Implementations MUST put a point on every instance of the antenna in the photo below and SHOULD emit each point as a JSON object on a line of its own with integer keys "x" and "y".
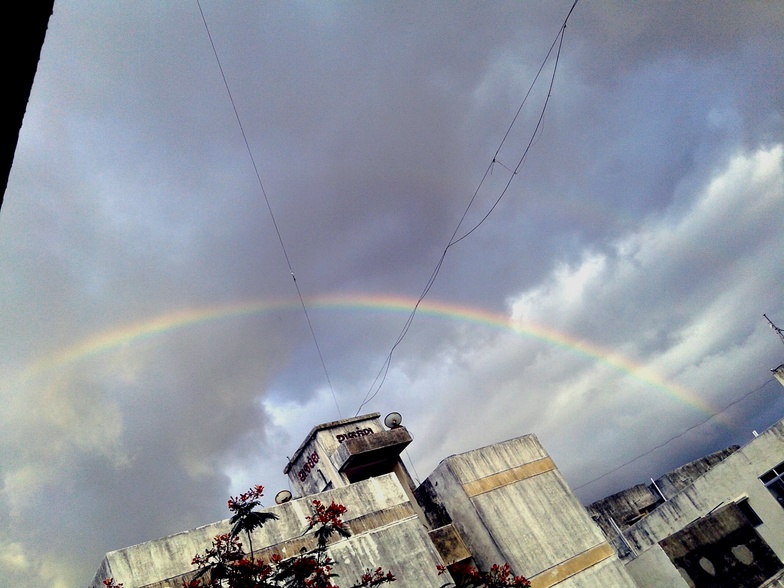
{"x": 775, "y": 328}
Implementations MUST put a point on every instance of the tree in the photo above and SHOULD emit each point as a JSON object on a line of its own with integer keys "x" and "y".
{"x": 226, "y": 564}
{"x": 497, "y": 577}
{"x": 245, "y": 519}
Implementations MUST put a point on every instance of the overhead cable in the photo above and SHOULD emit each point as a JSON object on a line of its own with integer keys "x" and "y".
{"x": 269, "y": 208}
{"x": 678, "y": 436}
{"x": 380, "y": 378}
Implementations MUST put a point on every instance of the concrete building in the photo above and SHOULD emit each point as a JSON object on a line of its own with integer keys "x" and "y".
{"x": 509, "y": 504}
{"x": 714, "y": 522}
{"x": 718, "y": 521}
{"x": 621, "y": 510}
{"x": 506, "y": 503}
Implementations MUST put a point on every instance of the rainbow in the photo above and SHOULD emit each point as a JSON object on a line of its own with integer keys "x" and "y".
{"x": 112, "y": 339}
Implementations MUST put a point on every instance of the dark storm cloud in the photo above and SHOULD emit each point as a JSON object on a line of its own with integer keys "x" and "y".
{"x": 645, "y": 220}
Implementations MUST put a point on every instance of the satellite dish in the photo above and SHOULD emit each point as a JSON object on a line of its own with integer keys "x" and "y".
{"x": 393, "y": 420}
{"x": 282, "y": 496}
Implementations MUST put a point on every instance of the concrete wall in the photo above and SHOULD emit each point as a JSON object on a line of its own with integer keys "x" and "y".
{"x": 311, "y": 470}
{"x": 628, "y": 506}
{"x": 385, "y": 530}
{"x": 776, "y": 581}
{"x": 403, "y": 548}
{"x": 680, "y": 478}
{"x": 608, "y": 572}
{"x": 622, "y": 507}
{"x": 653, "y": 569}
{"x": 735, "y": 477}
{"x": 721, "y": 549}
{"x": 511, "y": 505}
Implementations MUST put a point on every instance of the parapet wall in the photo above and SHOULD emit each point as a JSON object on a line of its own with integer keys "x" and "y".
{"x": 386, "y": 532}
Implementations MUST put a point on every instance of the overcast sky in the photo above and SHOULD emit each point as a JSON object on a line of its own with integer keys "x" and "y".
{"x": 154, "y": 356}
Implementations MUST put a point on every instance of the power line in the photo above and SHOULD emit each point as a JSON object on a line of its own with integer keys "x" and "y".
{"x": 413, "y": 467}
{"x": 269, "y": 207}
{"x": 678, "y": 436}
{"x": 530, "y": 142}
{"x": 380, "y": 378}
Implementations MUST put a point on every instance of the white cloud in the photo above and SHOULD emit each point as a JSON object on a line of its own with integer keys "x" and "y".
{"x": 711, "y": 324}
{"x": 631, "y": 229}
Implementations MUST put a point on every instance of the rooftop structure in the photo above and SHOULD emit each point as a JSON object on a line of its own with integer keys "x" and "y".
{"x": 505, "y": 503}
{"x": 717, "y": 521}
{"x": 722, "y": 526}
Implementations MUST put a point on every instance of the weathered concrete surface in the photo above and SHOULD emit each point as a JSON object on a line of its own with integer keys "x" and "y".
{"x": 721, "y": 550}
{"x": 625, "y": 508}
{"x": 404, "y": 548}
{"x": 653, "y": 569}
{"x": 375, "y": 507}
{"x": 334, "y": 428}
{"x": 735, "y": 477}
{"x": 449, "y": 544}
{"x": 607, "y": 573}
{"x": 311, "y": 470}
{"x": 628, "y": 506}
{"x": 511, "y": 505}
{"x": 383, "y": 446}
{"x": 776, "y": 581}
{"x": 680, "y": 478}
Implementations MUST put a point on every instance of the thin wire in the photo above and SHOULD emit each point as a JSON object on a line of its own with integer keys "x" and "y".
{"x": 269, "y": 207}
{"x": 678, "y": 436}
{"x": 413, "y": 467}
{"x": 534, "y": 136}
{"x": 381, "y": 376}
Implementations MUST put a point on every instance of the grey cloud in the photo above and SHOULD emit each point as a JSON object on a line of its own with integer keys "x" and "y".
{"x": 132, "y": 197}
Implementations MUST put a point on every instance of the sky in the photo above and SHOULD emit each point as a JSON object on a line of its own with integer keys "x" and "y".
{"x": 154, "y": 354}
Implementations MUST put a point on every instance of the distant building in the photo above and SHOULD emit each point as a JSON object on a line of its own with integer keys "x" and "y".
{"x": 506, "y": 503}
{"x": 718, "y": 521}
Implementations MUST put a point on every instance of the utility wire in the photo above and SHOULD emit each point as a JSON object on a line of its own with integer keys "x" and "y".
{"x": 380, "y": 378}
{"x": 678, "y": 436}
{"x": 269, "y": 207}
{"x": 413, "y": 467}
{"x": 534, "y": 136}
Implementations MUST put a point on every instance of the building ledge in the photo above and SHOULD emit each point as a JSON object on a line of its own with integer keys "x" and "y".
{"x": 360, "y": 452}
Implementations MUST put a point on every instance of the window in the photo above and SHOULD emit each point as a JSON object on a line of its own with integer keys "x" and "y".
{"x": 774, "y": 482}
